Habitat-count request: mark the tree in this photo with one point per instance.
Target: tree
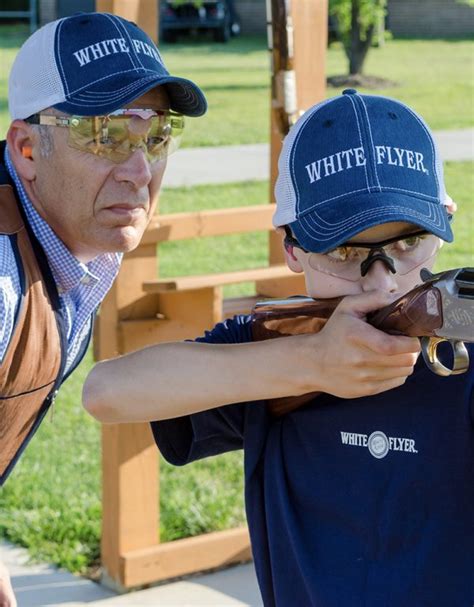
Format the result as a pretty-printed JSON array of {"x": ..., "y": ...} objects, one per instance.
[{"x": 357, "y": 22}]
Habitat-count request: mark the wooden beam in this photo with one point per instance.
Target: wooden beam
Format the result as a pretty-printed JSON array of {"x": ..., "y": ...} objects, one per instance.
[
  {"x": 130, "y": 492},
  {"x": 136, "y": 334},
  {"x": 130, "y": 487},
  {"x": 310, "y": 25},
  {"x": 281, "y": 287},
  {"x": 179, "y": 226},
  {"x": 183, "y": 315},
  {"x": 144, "y": 13},
  {"x": 181, "y": 557},
  {"x": 187, "y": 283},
  {"x": 238, "y": 305}
]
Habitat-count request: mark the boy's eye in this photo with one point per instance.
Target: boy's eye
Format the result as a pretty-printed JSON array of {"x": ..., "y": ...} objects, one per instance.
[
  {"x": 408, "y": 243},
  {"x": 339, "y": 254}
]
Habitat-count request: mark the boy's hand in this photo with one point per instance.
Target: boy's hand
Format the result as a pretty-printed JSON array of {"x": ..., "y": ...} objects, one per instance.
[
  {"x": 357, "y": 359},
  {"x": 7, "y": 597}
]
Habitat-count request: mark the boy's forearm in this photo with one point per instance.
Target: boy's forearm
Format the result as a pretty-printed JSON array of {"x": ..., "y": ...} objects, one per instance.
[
  {"x": 175, "y": 379},
  {"x": 348, "y": 359}
]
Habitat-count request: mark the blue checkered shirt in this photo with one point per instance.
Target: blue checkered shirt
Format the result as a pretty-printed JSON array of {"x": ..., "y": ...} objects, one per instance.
[{"x": 81, "y": 286}]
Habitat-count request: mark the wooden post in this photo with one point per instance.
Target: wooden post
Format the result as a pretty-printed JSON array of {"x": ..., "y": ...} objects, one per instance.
[
  {"x": 142, "y": 12},
  {"x": 130, "y": 474},
  {"x": 130, "y": 495},
  {"x": 310, "y": 19}
]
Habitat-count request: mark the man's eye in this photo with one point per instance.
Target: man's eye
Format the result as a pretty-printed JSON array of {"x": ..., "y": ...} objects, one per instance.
[
  {"x": 152, "y": 141},
  {"x": 107, "y": 140},
  {"x": 162, "y": 133}
]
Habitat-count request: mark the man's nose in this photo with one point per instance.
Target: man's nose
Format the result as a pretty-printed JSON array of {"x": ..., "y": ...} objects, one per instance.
[
  {"x": 135, "y": 170},
  {"x": 380, "y": 277}
]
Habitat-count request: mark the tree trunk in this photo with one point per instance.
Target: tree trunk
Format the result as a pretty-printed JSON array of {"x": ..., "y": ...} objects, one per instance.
[{"x": 359, "y": 42}]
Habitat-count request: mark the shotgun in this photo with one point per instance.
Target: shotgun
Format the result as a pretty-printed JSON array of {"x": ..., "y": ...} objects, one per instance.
[{"x": 440, "y": 309}]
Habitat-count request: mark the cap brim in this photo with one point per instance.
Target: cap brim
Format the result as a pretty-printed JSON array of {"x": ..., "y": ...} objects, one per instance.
[
  {"x": 328, "y": 225},
  {"x": 185, "y": 96}
]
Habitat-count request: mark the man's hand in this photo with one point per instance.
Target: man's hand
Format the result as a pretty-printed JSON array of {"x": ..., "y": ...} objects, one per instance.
[
  {"x": 7, "y": 597},
  {"x": 356, "y": 359}
]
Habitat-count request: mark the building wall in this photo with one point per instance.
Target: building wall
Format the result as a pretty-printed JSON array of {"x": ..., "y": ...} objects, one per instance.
[
  {"x": 47, "y": 11},
  {"x": 252, "y": 15},
  {"x": 437, "y": 18}
]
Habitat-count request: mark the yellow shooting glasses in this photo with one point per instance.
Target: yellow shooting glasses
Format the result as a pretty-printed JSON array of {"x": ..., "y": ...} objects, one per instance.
[{"x": 118, "y": 135}]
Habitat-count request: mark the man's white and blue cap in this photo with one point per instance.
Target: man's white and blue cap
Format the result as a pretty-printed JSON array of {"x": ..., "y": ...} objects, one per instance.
[
  {"x": 353, "y": 162},
  {"x": 91, "y": 64}
]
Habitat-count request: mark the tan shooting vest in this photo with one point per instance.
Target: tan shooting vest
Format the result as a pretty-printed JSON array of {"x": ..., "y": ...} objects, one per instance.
[{"x": 32, "y": 363}]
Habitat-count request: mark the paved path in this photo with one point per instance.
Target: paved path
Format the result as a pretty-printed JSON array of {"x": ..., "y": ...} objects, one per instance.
[
  {"x": 225, "y": 164},
  {"x": 43, "y": 585}
]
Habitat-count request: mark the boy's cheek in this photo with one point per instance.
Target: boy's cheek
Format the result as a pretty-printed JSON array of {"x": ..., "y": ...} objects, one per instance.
[
  {"x": 320, "y": 285},
  {"x": 411, "y": 280}
]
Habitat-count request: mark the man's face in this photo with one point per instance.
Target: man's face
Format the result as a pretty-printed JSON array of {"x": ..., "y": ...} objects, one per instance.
[
  {"x": 320, "y": 284},
  {"x": 94, "y": 205}
]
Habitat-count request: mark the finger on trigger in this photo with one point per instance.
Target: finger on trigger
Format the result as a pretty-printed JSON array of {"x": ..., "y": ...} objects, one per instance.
[{"x": 390, "y": 345}]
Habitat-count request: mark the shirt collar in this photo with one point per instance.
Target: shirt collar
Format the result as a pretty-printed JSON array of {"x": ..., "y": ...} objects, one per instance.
[{"x": 67, "y": 270}]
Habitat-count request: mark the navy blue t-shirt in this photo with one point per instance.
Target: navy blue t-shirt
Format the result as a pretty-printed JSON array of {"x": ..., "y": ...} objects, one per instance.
[{"x": 365, "y": 502}]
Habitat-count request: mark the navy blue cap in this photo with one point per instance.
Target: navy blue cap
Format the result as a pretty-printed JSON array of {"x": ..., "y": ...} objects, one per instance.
[
  {"x": 356, "y": 161},
  {"x": 93, "y": 64}
]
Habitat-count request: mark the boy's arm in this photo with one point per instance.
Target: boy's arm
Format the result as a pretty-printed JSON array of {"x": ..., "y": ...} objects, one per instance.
[{"x": 348, "y": 358}]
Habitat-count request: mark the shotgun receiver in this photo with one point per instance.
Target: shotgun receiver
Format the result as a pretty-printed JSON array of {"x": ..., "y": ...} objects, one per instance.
[{"x": 440, "y": 309}]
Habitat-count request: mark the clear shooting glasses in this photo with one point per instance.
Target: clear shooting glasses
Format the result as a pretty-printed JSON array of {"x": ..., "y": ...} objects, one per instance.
[
  {"x": 350, "y": 261},
  {"x": 116, "y": 136}
]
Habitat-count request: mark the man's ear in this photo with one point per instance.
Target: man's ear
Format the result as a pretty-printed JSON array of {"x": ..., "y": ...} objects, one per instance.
[{"x": 23, "y": 148}]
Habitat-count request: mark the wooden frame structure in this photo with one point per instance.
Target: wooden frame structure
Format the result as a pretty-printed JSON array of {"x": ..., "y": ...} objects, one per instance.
[{"x": 142, "y": 309}]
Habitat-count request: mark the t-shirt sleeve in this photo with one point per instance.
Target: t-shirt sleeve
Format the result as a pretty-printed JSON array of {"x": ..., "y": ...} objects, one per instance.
[{"x": 192, "y": 437}]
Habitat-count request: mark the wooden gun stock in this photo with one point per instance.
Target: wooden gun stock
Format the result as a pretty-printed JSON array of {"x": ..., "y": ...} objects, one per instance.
[{"x": 440, "y": 309}]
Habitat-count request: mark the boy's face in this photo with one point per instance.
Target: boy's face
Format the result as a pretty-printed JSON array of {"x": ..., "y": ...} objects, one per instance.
[{"x": 337, "y": 273}]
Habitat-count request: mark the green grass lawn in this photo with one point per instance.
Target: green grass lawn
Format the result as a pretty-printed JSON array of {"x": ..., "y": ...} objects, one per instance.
[
  {"x": 51, "y": 503},
  {"x": 433, "y": 76}
]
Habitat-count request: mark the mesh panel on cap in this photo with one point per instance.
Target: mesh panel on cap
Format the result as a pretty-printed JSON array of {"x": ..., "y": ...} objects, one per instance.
[
  {"x": 437, "y": 158},
  {"x": 35, "y": 83},
  {"x": 285, "y": 194},
  {"x": 440, "y": 175}
]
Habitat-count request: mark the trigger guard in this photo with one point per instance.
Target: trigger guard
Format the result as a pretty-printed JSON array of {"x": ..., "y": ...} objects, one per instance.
[{"x": 461, "y": 357}]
